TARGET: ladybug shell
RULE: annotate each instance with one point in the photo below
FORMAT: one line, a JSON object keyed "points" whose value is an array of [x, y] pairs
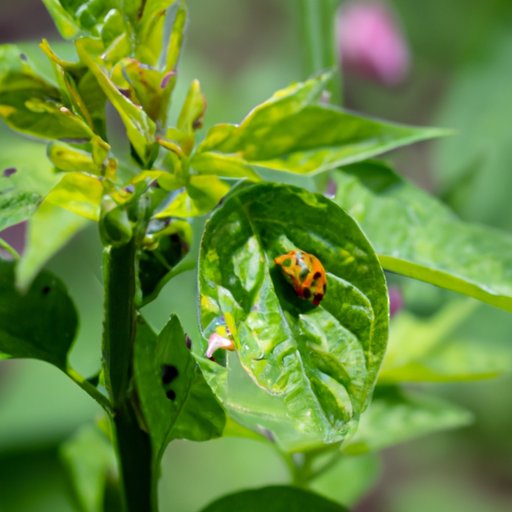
{"points": [[305, 273]]}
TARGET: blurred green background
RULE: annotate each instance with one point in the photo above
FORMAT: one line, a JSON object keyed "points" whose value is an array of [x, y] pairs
{"points": [[460, 77]]}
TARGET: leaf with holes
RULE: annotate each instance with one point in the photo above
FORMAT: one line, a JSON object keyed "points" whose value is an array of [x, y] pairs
{"points": [[176, 401], [316, 364], [39, 324]]}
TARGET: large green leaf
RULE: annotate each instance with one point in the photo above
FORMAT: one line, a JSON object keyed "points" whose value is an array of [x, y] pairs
{"points": [[312, 368], [40, 323], [430, 350], [417, 236], [396, 416], [176, 401], [29, 104], [274, 499], [294, 132]]}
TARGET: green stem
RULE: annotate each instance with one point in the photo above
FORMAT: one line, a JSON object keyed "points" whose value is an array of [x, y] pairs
{"points": [[317, 22], [132, 443], [90, 389]]}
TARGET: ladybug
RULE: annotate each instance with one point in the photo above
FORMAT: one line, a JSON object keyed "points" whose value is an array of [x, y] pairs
{"points": [[305, 273]]}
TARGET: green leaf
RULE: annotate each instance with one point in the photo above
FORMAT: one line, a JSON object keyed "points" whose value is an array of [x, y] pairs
{"points": [[107, 19], [175, 399], [68, 158], [89, 458], [139, 127], [39, 324], [292, 133], [417, 236], [150, 31], [274, 499], [429, 350], [49, 229], [31, 105], [143, 84], [227, 166], [64, 21], [315, 366], [201, 195], [396, 416], [15, 205], [193, 109], [78, 193]]}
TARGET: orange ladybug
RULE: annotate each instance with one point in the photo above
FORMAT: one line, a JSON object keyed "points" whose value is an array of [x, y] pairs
{"points": [[305, 273]]}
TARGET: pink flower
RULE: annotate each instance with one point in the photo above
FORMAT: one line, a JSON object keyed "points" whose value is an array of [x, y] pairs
{"points": [[371, 42]]}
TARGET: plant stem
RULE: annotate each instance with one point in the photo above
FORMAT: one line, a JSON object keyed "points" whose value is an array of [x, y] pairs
{"points": [[132, 443], [90, 389], [317, 28]]}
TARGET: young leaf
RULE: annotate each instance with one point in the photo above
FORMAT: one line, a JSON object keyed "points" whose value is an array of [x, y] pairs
{"points": [[31, 105], [395, 417], [78, 193], [150, 31], [438, 354], [49, 229], [70, 159], [39, 324], [64, 21], [292, 133], [175, 399], [139, 127], [319, 362], [417, 236], [89, 458], [274, 499]]}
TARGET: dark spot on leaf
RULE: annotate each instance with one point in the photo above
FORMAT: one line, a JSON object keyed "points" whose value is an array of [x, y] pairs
{"points": [[188, 341], [130, 189], [171, 395], [9, 172], [169, 373], [125, 92], [23, 56], [46, 290], [307, 293], [317, 275]]}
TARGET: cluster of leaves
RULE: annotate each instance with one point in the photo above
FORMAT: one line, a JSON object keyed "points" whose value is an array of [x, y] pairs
{"points": [[301, 375]]}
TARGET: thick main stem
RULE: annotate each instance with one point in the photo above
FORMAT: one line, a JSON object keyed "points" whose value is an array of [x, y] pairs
{"points": [[317, 23], [132, 443]]}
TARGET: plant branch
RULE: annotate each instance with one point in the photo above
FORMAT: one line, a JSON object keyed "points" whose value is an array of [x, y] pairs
{"points": [[133, 444]]}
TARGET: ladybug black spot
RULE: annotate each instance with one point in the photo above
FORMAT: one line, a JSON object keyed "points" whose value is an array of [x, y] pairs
{"points": [[317, 299], [317, 275], [307, 293], [169, 373]]}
